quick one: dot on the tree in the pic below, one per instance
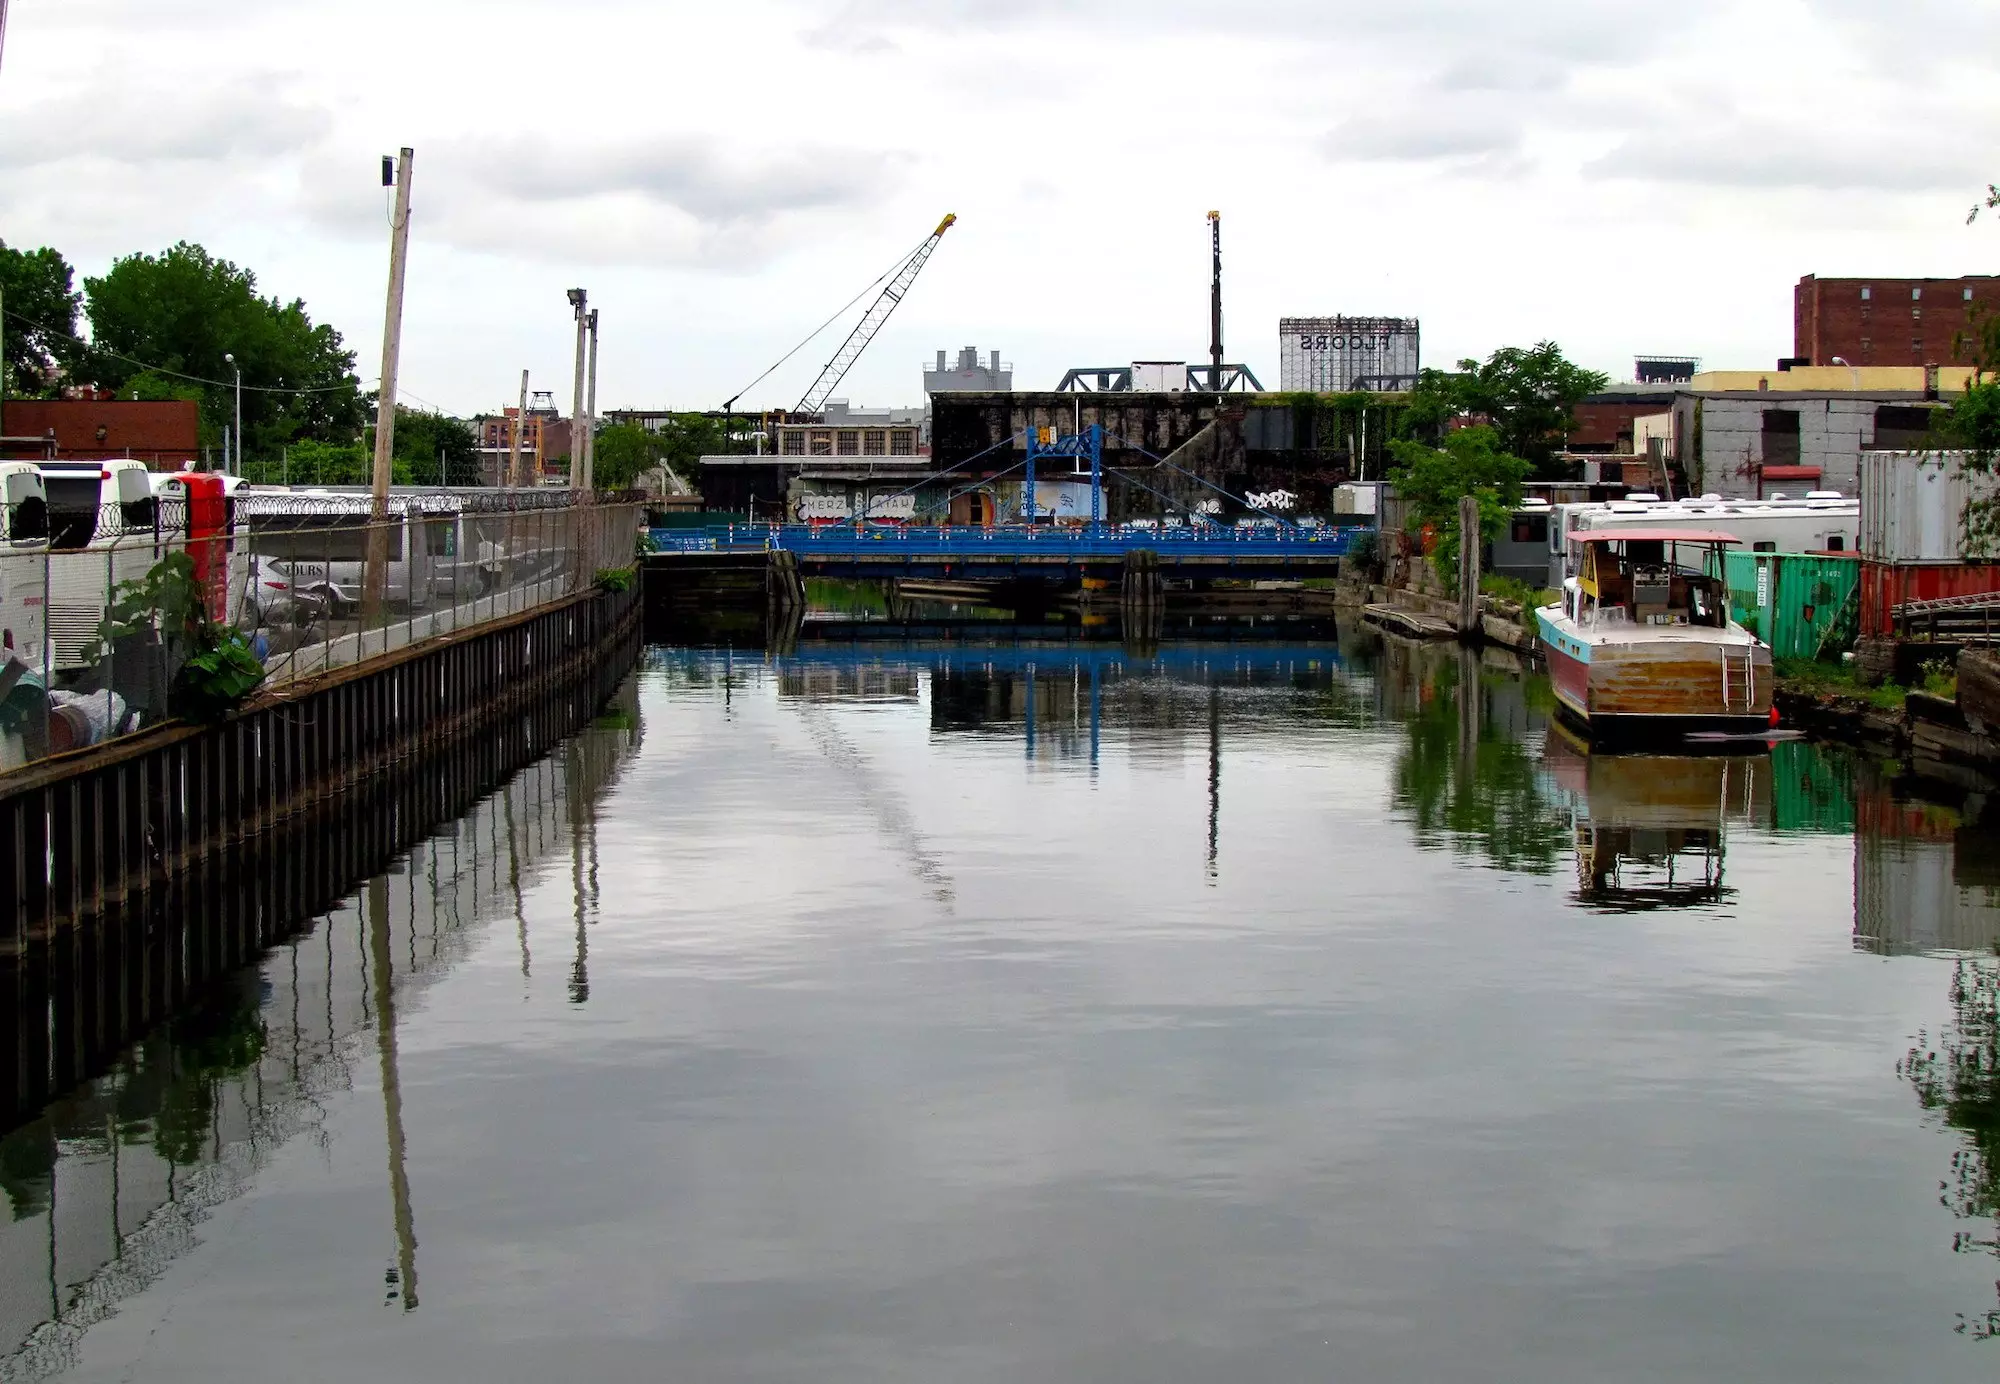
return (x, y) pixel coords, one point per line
(1529, 396)
(157, 319)
(40, 323)
(1432, 480)
(437, 449)
(624, 453)
(627, 451)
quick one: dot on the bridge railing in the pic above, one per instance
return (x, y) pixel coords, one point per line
(1010, 540)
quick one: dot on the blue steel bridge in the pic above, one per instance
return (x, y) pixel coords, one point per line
(1042, 552)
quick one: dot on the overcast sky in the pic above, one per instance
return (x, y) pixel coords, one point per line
(1620, 178)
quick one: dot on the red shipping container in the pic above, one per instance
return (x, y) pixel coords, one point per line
(1885, 585)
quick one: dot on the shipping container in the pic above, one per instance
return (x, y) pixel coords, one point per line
(1886, 585)
(1336, 355)
(1791, 601)
(1913, 505)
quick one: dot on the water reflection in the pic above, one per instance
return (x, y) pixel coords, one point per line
(1927, 883)
(1467, 775)
(923, 1005)
(112, 1181)
(1956, 1075)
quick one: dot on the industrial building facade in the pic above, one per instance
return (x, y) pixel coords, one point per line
(1888, 321)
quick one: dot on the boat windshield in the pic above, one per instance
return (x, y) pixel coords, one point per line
(1652, 581)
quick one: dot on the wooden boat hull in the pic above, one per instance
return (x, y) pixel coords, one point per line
(1656, 686)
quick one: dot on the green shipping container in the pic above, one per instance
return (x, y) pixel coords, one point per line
(1791, 601)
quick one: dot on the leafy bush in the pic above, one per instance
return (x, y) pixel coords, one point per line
(616, 578)
(216, 668)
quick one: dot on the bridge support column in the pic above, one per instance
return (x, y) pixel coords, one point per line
(1140, 585)
(784, 589)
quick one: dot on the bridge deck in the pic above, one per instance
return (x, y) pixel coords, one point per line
(1042, 551)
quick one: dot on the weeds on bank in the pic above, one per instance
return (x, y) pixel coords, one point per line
(1831, 679)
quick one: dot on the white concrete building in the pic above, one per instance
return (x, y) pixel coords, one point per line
(1756, 443)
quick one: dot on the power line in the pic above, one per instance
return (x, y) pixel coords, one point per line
(183, 375)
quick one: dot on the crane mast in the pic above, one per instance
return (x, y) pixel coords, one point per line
(814, 399)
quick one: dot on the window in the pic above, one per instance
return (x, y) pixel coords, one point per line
(1916, 294)
(876, 444)
(794, 442)
(1901, 427)
(1781, 437)
(1968, 295)
(1916, 314)
(1836, 543)
(1765, 547)
(1531, 528)
(1866, 294)
(1916, 346)
(822, 444)
(850, 442)
(318, 538)
(902, 444)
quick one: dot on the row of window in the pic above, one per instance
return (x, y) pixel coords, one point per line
(848, 442)
(1916, 294)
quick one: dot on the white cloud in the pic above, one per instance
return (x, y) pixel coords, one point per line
(722, 177)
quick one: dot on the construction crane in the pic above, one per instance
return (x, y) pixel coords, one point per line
(814, 399)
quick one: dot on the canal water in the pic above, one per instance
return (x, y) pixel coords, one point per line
(1281, 1007)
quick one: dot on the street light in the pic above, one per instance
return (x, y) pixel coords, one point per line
(230, 360)
(579, 301)
(1854, 373)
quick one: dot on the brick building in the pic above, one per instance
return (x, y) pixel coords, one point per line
(165, 435)
(1887, 321)
(545, 438)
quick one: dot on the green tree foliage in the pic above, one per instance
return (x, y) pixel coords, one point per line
(334, 464)
(1972, 423)
(436, 449)
(1529, 396)
(40, 325)
(1432, 480)
(623, 454)
(627, 451)
(180, 312)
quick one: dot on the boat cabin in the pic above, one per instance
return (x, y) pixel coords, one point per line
(1650, 577)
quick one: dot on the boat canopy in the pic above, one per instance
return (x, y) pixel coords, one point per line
(1655, 536)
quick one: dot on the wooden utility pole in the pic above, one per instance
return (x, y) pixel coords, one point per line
(590, 413)
(1468, 567)
(580, 300)
(520, 426)
(375, 585)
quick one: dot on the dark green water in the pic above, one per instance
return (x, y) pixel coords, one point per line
(1239, 1011)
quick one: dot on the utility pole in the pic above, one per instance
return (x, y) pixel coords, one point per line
(520, 426)
(229, 358)
(397, 171)
(590, 413)
(579, 300)
(3, 26)
(1215, 304)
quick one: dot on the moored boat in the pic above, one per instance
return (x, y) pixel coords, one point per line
(1642, 643)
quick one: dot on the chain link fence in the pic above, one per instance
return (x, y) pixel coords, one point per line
(178, 607)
